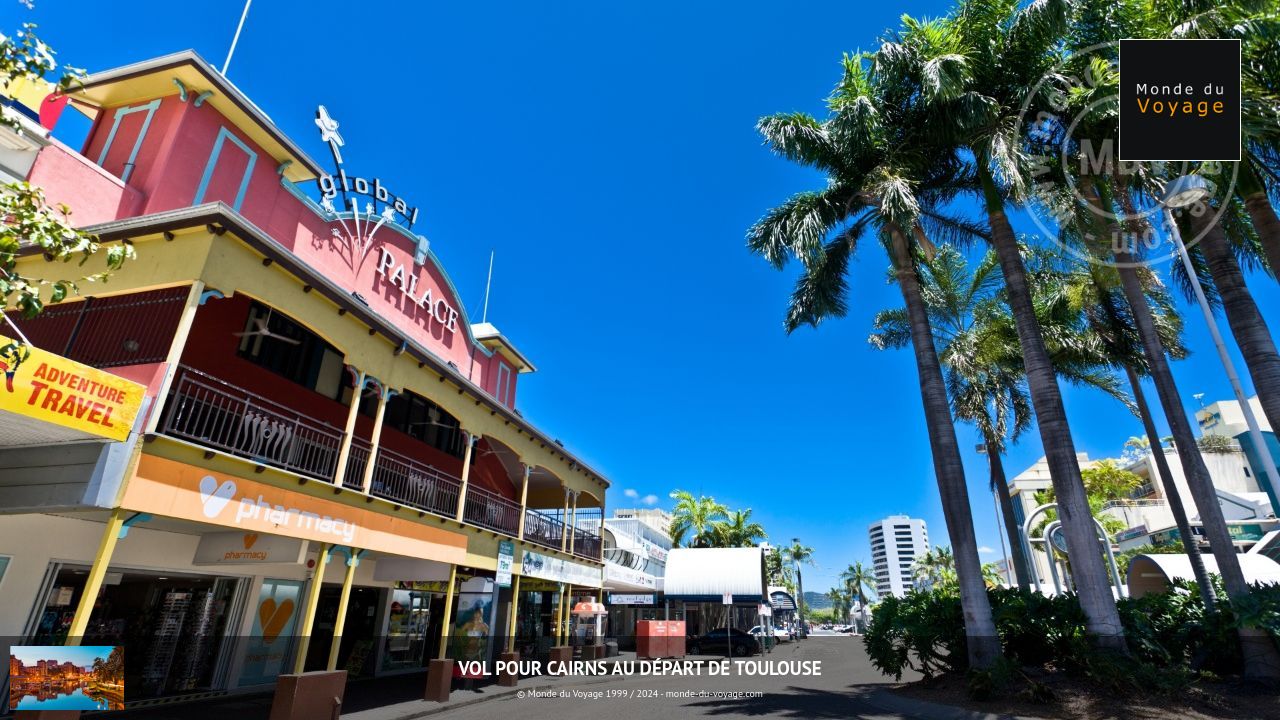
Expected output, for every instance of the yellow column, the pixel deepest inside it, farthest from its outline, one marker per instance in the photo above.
(344, 450)
(564, 524)
(511, 614)
(93, 583)
(176, 346)
(573, 522)
(374, 439)
(353, 559)
(309, 612)
(466, 473)
(560, 617)
(524, 502)
(448, 608)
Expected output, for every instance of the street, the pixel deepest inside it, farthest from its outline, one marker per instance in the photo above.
(839, 692)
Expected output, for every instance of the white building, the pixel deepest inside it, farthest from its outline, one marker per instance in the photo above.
(896, 542)
(656, 518)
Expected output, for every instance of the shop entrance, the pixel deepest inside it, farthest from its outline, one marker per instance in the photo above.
(413, 629)
(356, 653)
(172, 625)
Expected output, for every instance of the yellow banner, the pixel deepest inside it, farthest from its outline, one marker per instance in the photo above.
(40, 385)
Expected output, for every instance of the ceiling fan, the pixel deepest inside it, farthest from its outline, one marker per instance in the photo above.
(262, 329)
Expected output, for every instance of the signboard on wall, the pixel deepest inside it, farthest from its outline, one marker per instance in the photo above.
(534, 564)
(506, 559)
(41, 385)
(619, 599)
(246, 548)
(625, 575)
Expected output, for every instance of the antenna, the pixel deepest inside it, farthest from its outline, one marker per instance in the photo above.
(236, 38)
(484, 316)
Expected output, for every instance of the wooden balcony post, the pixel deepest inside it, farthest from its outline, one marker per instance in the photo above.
(195, 298)
(446, 621)
(564, 520)
(573, 522)
(383, 398)
(524, 501)
(344, 450)
(309, 610)
(466, 473)
(97, 573)
(340, 623)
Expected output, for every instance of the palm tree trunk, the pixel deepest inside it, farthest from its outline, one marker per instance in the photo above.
(1247, 324)
(1261, 659)
(980, 629)
(1171, 494)
(1091, 579)
(1000, 486)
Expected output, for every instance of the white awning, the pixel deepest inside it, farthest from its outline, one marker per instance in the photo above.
(1154, 573)
(707, 574)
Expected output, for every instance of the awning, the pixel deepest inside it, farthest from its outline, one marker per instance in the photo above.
(708, 574)
(1155, 573)
(780, 599)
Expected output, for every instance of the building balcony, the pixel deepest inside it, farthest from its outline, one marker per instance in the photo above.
(216, 414)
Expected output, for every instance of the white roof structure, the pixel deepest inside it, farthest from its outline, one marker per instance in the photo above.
(1155, 573)
(707, 574)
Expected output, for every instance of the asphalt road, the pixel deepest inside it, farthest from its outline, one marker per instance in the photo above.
(840, 691)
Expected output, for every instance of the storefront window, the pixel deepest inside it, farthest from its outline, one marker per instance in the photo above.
(407, 635)
(172, 626)
(274, 615)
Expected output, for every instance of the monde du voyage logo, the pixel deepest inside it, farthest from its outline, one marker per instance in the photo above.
(215, 497)
(1180, 100)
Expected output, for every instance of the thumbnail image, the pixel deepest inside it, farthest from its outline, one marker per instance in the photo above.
(44, 677)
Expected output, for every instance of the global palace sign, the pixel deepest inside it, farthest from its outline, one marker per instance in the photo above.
(360, 224)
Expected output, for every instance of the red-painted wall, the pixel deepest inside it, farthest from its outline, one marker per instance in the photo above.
(172, 160)
(211, 348)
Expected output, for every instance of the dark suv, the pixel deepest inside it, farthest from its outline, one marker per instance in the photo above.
(717, 642)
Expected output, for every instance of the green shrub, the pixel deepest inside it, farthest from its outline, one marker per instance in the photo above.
(1170, 636)
(923, 631)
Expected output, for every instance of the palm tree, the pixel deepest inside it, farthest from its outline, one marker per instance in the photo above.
(798, 554)
(695, 518)
(980, 351)
(973, 71)
(878, 177)
(737, 531)
(935, 570)
(1103, 191)
(839, 603)
(858, 581)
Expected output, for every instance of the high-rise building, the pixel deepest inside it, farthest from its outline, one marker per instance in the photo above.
(656, 518)
(896, 542)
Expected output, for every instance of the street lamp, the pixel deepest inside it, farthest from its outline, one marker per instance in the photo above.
(1184, 192)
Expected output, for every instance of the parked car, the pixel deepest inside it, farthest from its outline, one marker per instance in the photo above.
(718, 641)
(779, 634)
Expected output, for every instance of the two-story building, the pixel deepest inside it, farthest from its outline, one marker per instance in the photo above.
(328, 461)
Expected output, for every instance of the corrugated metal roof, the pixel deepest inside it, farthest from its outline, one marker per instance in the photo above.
(781, 600)
(706, 574)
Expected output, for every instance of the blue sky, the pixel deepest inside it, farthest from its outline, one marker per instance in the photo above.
(608, 155)
(80, 656)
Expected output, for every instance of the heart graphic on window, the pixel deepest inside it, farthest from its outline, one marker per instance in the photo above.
(273, 617)
(250, 539)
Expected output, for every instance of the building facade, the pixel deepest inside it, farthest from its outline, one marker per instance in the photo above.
(327, 467)
(635, 567)
(896, 542)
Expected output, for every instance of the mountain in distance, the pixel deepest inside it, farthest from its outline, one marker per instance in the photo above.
(817, 600)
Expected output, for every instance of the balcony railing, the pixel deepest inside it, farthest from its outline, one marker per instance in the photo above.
(403, 480)
(586, 544)
(491, 511)
(543, 529)
(217, 414)
(211, 412)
